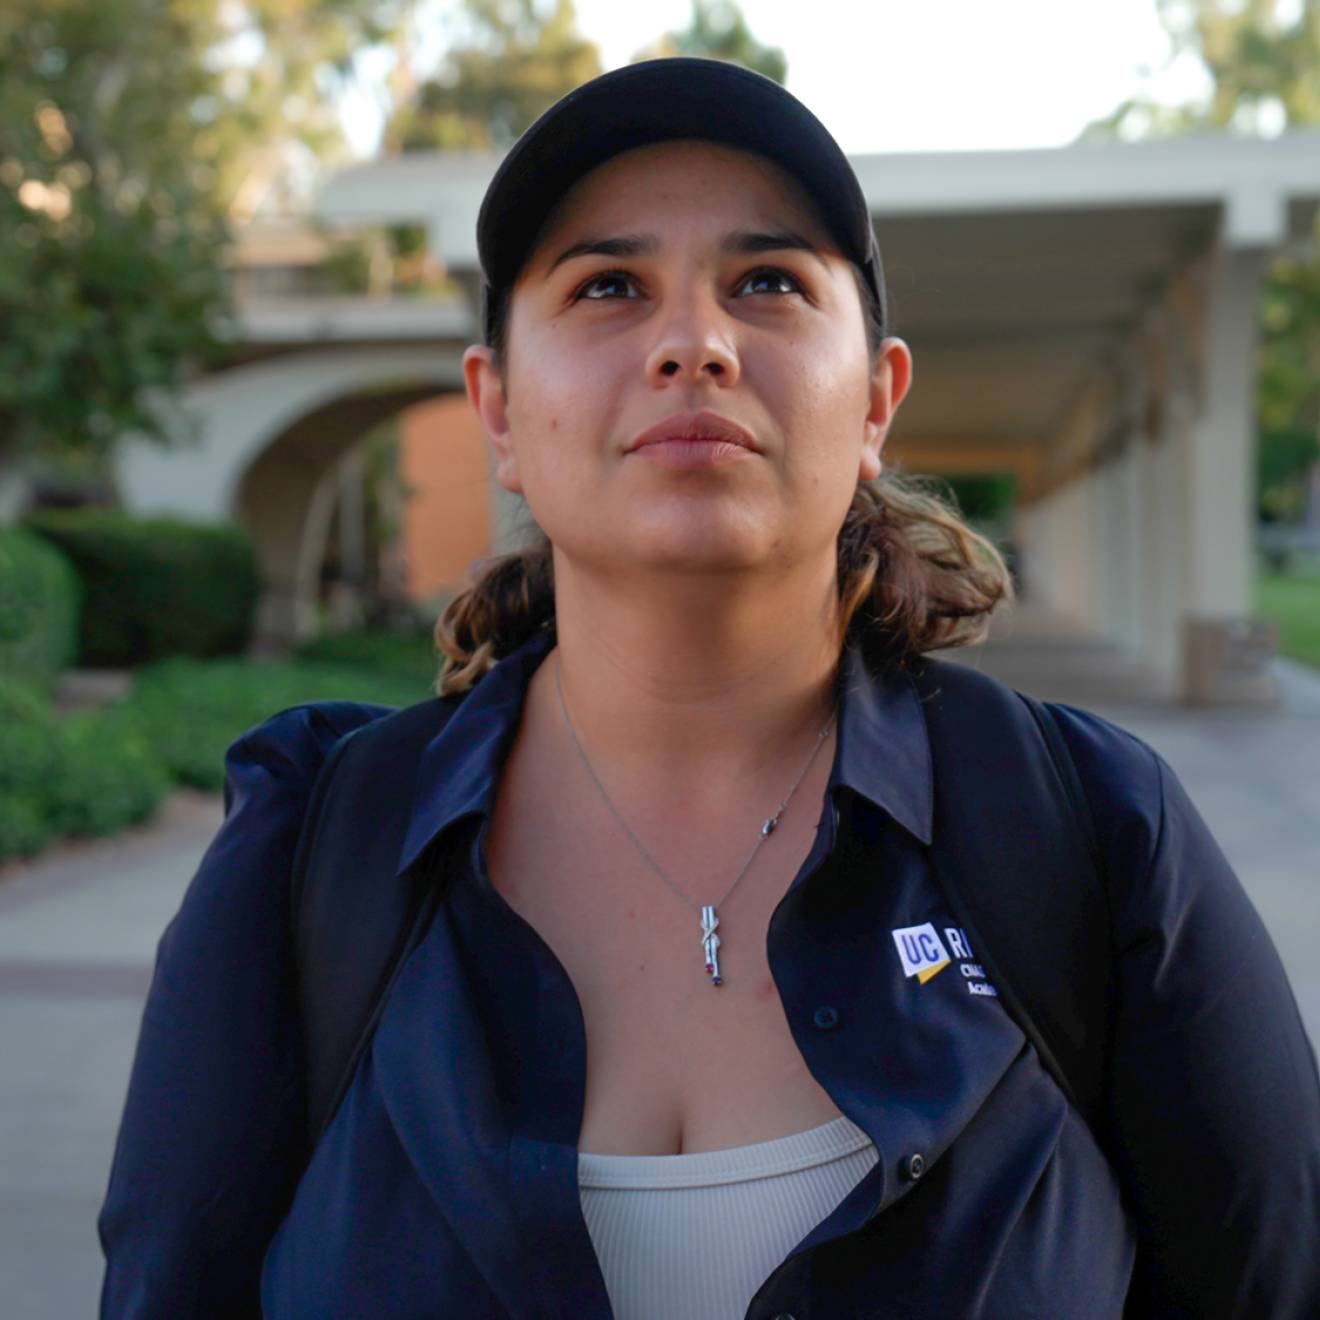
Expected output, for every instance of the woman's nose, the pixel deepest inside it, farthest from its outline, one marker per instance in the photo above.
(692, 345)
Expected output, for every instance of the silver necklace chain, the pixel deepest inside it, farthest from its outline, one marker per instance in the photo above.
(709, 917)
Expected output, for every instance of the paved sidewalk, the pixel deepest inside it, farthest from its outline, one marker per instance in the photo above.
(78, 930)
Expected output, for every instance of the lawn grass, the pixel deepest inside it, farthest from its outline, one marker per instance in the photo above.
(1292, 600)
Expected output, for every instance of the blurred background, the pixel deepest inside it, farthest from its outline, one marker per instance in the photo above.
(237, 470)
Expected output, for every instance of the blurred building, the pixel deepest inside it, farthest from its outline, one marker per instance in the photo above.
(1083, 318)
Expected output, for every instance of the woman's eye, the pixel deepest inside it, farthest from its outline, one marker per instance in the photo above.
(772, 273)
(596, 282)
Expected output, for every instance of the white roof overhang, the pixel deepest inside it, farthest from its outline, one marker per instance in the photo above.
(1012, 274)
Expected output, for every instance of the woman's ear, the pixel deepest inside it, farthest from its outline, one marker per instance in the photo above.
(485, 391)
(890, 379)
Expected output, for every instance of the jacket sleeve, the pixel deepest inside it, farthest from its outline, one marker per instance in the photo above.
(210, 1144)
(1214, 1102)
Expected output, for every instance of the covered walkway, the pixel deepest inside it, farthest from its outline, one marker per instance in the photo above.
(1082, 318)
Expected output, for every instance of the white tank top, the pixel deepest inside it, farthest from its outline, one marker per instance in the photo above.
(696, 1235)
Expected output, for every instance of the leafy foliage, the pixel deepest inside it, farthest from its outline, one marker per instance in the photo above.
(512, 64)
(110, 276)
(718, 30)
(285, 65)
(39, 599)
(409, 656)
(98, 771)
(155, 587)
(984, 497)
(71, 777)
(131, 132)
(189, 711)
(1263, 63)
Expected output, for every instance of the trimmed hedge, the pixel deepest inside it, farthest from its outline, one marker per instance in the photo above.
(87, 775)
(39, 600)
(189, 711)
(409, 655)
(95, 772)
(155, 587)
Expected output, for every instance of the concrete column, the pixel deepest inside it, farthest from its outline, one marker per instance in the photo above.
(1076, 535)
(1224, 658)
(1164, 499)
(1127, 549)
(1217, 460)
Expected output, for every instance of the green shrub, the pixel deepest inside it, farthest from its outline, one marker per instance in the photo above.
(98, 771)
(408, 655)
(92, 774)
(29, 759)
(22, 831)
(155, 587)
(108, 777)
(188, 712)
(39, 599)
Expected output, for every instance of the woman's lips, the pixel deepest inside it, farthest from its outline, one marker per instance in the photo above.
(697, 452)
(694, 440)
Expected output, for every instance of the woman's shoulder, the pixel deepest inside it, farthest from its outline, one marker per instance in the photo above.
(299, 737)
(1125, 779)
(281, 756)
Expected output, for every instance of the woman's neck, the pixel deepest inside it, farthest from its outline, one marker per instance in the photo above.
(720, 678)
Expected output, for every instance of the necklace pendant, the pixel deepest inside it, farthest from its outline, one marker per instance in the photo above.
(769, 826)
(710, 943)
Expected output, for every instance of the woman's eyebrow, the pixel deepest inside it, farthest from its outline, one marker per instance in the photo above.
(625, 245)
(740, 241)
(747, 241)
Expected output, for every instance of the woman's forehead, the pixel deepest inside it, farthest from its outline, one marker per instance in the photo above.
(676, 175)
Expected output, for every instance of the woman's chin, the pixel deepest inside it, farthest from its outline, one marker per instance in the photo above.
(647, 548)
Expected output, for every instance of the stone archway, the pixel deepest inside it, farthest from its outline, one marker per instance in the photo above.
(285, 499)
(269, 436)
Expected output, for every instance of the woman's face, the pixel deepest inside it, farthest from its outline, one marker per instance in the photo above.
(685, 287)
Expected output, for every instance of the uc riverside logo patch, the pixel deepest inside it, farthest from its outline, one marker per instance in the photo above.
(923, 954)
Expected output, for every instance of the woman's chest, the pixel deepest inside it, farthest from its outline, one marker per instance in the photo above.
(674, 1063)
(462, 1128)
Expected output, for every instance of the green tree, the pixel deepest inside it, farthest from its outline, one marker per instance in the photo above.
(283, 68)
(130, 131)
(1263, 67)
(718, 30)
(109, 242)
(514, 62)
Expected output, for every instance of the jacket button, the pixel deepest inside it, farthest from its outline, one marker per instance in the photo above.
(826, 1017)
(913, 1167)
(784, 1315)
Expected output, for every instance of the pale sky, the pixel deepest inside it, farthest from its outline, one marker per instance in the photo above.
(919, 75)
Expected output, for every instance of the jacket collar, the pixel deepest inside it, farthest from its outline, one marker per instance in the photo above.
(883, 752)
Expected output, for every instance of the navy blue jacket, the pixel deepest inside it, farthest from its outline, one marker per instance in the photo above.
(446, 1184)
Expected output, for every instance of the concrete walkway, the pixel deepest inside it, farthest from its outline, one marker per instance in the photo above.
(78, 930)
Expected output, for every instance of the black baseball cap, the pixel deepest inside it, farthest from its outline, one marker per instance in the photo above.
(656, 101)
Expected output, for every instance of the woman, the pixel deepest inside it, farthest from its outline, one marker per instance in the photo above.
(675, 1040)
